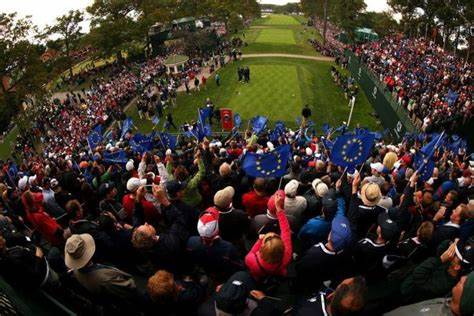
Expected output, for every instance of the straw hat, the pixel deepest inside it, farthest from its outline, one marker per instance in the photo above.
(79, 250)
(370, 194)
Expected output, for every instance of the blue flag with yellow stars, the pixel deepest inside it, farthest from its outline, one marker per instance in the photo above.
(278, 131)
(204, 114)
(424, 167)
(168, 140)
(259, 123)
(127, 125)
(95, 137)
(119, 157)
(141, 143)
(272, 164)
(350, 150)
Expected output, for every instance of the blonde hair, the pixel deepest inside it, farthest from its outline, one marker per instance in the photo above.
(161, 287)
(272, 248)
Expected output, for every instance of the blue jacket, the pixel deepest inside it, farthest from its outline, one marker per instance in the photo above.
(317, 229)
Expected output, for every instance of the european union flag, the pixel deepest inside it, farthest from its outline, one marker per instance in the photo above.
(452, 97)
(127, 125)
(342, 129)
(95, 137)
(237, 120)
(204, 114)
(429, 149)
(155, 120)
(326, 129)
(328, 144)
(272, 164)
(457, 143)
(141, 143)
(277, 131)
(108, 135)
(424, 167)
(116, 157)
(203, 131)
(350, 150)
(168, 140)
(13, 169)
(259, 123)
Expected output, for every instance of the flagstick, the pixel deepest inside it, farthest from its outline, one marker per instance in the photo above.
(343, 173)
(361, 167)
(279, 185)
(161, 142)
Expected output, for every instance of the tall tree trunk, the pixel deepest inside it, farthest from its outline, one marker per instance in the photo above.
(456, 40)
(119, 57)
(470, 42)
(325, 21)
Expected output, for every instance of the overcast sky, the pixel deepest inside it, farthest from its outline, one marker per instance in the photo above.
(44, 12)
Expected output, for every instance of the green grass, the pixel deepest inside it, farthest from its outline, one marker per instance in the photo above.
(279, 36)
(278, 19)
(279, 88)
(269, 35)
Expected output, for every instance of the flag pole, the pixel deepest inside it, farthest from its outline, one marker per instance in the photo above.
(279, 185)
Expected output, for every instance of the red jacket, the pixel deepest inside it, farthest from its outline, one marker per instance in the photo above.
(45, 225)
(258, 267)
(254, 204)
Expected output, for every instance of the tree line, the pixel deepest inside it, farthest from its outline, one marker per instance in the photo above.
(447, 22)
(116, 26)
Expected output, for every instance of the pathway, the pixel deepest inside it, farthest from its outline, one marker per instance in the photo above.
(316, 58)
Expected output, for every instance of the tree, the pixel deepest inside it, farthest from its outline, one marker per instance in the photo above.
(68, 28)
(381, 22)
(114, 26)
(345, 14)
(22, 73)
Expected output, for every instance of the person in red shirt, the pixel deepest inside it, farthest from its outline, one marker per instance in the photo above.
(255, 201)
(271, 254)
(46, 225)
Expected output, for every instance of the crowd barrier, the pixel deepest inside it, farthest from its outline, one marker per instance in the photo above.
(392, 115)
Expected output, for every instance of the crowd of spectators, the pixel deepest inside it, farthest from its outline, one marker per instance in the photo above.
(333, 46)
(187, 232)
(432, 84)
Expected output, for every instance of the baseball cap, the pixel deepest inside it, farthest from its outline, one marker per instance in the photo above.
(329, 204)
(465, 252)
(233, 294)
(134, 183)
(377, 166)
(291, 188)
(129, 166)
(174, 186)
(319, 187)
(54, 183)
(23, 182)
(106, 188)
(223, 198)
(341, 235)
(389, 227)
(208, 225)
